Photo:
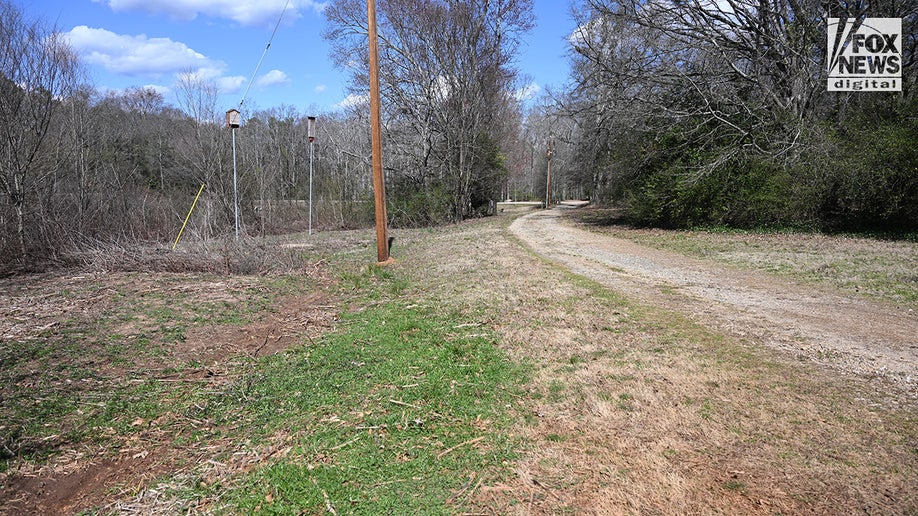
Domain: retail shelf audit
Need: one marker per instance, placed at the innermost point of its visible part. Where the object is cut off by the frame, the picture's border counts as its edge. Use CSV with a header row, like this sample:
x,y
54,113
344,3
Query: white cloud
x,y
135,55
528,91
214,76
320,88
202,74
582,33
353,100
442,88
230,84
272,78
244,12
142,56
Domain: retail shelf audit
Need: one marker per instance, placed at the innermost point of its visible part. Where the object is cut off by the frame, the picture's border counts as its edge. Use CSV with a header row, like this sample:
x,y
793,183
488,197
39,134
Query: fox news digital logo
x,y
865,55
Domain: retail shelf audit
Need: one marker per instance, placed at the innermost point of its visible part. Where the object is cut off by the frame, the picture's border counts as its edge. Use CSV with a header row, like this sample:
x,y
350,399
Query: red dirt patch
x,y
297,317
41,309
53,493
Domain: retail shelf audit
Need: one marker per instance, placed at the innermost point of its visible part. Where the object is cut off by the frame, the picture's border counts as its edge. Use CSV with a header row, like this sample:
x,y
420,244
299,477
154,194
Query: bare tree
x,y
700,109
446,80
204,150
37,68
746,72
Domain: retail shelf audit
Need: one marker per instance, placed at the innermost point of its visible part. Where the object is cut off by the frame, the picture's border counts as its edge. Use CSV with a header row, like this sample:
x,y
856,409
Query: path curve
x,y
850,334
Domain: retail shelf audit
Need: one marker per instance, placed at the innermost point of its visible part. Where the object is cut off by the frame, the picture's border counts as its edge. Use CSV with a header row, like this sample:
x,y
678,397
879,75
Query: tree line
x,y
694,112
80,167
681,112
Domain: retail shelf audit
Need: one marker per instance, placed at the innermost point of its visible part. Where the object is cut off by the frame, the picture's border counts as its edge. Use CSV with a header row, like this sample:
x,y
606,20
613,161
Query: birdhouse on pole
x,y
311,128
233,118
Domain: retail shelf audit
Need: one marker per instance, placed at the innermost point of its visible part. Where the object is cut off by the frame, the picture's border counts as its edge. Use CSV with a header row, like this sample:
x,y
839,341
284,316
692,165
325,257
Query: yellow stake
x,y
188,217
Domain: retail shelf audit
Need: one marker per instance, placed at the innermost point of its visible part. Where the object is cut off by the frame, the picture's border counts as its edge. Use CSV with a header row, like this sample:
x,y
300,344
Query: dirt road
x,y
852,335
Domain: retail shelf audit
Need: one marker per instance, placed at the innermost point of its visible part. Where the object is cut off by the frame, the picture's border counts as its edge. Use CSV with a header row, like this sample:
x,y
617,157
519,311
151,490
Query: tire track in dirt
x,y
852,335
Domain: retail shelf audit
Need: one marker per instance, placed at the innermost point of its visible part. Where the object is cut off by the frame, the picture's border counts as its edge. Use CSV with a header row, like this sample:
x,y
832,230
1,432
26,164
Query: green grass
x,y
68,411
392,413
625,402
734,485
380,411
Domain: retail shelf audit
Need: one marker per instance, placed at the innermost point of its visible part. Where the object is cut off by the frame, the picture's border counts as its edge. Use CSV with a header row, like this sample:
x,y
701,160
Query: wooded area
x,y
717,113
685,113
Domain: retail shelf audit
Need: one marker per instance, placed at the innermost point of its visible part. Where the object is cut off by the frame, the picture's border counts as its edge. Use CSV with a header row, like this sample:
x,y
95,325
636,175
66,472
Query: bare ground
x,y
120,474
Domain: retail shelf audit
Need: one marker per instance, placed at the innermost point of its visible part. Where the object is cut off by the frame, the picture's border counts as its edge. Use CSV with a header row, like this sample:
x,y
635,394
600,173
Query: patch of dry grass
x,y
96,364
633,409
881,269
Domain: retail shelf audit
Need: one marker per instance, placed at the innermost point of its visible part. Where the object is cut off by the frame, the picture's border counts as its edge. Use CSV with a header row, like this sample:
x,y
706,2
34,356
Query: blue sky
x,y
130,43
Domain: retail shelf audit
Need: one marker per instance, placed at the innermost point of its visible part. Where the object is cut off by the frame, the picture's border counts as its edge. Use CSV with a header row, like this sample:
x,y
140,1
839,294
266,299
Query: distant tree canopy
x,y
706,113
448,89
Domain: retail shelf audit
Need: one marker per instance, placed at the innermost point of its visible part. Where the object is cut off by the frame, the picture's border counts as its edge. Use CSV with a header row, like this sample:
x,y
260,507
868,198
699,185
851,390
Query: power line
x,y
255,73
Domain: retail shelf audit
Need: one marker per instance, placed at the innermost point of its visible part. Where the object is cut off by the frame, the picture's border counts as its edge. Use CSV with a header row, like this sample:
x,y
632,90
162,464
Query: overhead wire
x,y
263,54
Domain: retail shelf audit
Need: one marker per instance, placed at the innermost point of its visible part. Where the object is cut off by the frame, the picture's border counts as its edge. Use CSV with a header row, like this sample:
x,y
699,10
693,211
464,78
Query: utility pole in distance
x,y
379,184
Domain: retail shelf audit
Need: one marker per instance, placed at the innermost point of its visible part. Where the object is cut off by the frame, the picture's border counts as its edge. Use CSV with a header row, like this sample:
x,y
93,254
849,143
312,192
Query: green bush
x,y
413,204
859,174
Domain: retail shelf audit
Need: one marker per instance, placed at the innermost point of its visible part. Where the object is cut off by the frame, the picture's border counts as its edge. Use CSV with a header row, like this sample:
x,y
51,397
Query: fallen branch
x,y
352,441
471,441
547,490
467,325
464,488
402,403
263,344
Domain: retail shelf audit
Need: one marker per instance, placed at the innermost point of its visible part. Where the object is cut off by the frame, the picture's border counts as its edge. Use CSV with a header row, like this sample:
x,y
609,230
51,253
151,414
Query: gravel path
x,y
852,335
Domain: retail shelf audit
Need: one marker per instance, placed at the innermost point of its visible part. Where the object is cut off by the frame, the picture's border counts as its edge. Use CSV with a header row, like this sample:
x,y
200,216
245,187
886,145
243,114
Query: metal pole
x,y
310,188
235,190
549,154
379,185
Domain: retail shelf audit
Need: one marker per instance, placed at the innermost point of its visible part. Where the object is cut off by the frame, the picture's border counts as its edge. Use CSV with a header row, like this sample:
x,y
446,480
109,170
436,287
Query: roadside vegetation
x,y
687,117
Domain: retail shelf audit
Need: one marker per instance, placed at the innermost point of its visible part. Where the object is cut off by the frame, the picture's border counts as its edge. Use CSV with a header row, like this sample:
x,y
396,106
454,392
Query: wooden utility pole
x,y
379,183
